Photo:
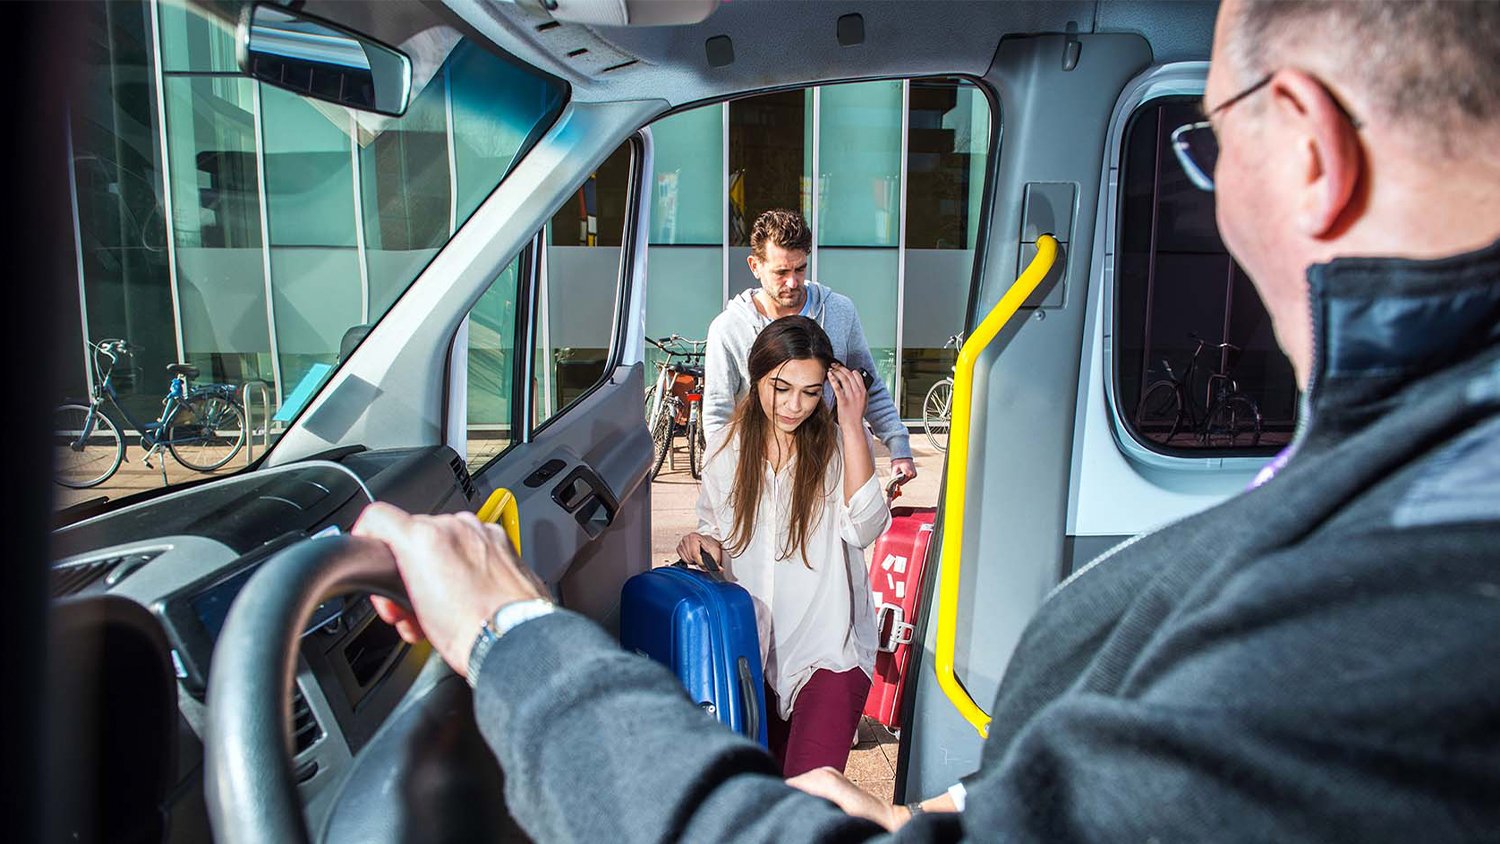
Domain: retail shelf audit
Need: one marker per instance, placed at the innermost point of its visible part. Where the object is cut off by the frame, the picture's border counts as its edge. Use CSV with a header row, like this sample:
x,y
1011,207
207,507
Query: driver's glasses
x,y
1196,145
1197,150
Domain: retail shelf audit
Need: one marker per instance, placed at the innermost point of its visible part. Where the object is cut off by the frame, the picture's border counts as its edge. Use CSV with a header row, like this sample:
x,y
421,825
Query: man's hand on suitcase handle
x,y
899,479
457,572
904,469
689,546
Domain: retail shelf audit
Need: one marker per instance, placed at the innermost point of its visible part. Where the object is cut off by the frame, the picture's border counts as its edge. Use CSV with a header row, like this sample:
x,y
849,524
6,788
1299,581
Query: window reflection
x,y
122,224
859,207
491,350
215,182
685,261
770,137
947,152
252,233
579,284
1175,283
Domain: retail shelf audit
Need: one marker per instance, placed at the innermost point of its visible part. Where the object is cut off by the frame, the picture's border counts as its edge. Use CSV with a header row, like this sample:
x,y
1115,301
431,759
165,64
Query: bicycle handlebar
x,y
696,346
113,347
1202,342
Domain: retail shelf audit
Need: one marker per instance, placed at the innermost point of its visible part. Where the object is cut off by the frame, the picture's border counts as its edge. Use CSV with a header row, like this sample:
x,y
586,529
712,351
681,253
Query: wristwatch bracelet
x,y
502,621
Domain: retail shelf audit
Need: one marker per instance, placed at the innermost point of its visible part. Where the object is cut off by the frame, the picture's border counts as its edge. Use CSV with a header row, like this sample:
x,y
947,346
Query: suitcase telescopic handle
x,y
711,566
709,562
749,699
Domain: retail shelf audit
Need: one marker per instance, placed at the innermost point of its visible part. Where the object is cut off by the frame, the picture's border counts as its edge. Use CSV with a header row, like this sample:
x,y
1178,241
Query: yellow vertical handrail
x,y
500,508
958,476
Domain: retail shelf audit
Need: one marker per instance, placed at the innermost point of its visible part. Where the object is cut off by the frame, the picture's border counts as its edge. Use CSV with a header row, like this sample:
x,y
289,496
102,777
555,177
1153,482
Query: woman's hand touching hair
x,y
850,396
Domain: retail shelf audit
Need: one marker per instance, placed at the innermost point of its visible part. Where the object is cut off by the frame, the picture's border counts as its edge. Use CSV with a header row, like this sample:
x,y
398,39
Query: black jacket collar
x,y
1382,323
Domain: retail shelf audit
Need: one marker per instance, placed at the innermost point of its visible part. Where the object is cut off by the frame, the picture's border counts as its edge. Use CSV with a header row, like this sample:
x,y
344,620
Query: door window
x,y
1197,367
579,282
576,274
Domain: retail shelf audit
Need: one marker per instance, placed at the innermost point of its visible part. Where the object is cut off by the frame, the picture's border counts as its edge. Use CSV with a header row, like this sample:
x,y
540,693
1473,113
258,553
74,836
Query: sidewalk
x,y
674,494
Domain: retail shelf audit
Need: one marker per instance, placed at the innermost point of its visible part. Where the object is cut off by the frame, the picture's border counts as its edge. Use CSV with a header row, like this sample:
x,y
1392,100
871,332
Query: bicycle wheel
x,y
661,439
211,432
697,445
1159,415
1233,423
937,413
86,446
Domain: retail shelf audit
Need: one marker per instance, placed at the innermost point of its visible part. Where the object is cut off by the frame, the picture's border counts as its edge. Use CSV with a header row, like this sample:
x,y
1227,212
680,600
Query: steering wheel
x,y
251,789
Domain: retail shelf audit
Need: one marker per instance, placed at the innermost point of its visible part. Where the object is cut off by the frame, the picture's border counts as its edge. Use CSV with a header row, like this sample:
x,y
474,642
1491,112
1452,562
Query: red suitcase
x,y
896,581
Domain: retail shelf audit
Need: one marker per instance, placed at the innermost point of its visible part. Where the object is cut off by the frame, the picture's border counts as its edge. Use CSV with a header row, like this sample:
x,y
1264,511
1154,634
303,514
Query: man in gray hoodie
x,y
779,243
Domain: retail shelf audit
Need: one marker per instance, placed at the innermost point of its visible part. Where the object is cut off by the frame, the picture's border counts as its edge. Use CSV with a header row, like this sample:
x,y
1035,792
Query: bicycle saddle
x,y
186,370
695,371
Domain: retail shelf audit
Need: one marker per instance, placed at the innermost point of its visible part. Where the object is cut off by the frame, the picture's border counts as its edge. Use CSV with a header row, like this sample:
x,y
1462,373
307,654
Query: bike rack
x,y
265,402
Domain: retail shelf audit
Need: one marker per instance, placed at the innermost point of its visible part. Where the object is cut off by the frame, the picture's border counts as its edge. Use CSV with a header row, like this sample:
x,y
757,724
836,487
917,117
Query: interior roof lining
x,y
933,37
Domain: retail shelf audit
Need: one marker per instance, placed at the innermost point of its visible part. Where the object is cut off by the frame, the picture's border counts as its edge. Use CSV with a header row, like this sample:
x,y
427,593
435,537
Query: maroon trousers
x,y
821,726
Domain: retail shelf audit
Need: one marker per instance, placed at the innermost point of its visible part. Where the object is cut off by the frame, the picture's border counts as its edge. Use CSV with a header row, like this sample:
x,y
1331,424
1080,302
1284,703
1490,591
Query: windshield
x,y
249,233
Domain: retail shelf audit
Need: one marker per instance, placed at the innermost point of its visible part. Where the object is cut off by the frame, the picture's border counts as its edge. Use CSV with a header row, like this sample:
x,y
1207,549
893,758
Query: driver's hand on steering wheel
x,y
457,572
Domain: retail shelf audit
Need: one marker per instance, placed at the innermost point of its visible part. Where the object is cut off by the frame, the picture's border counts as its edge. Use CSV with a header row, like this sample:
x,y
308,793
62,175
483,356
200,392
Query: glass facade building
x,y
249,231
252,232
890,175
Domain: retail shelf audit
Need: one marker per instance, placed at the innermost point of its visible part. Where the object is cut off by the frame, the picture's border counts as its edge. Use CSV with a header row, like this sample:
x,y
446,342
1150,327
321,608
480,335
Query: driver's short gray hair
x,y
1431,66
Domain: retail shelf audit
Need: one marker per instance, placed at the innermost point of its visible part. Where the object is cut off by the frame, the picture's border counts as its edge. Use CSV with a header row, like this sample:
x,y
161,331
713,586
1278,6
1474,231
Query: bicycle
x,y
1231,418
203,427
674,403
937,406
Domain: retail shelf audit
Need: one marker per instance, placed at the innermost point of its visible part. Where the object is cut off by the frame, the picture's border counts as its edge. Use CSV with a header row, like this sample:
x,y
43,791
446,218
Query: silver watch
x,y
502,621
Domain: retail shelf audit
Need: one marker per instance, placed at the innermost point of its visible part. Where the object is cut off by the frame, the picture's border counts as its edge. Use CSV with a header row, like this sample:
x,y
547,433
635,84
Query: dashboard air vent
x,y
305,728
73,578
461,472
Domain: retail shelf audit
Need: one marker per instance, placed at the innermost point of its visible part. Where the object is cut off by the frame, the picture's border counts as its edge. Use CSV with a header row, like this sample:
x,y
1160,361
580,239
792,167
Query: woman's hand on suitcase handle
x,y
690,546
457,572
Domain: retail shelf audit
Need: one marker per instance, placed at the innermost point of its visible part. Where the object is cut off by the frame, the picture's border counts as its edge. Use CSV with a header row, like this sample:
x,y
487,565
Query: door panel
x,y
575,446
1026,388
585,526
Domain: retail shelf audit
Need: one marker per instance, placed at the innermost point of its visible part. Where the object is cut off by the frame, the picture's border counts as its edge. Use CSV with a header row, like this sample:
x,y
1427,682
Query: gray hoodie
x,y
726,377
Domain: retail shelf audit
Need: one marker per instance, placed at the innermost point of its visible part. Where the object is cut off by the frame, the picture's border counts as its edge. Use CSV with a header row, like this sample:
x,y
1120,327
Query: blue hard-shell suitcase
x,y
702,628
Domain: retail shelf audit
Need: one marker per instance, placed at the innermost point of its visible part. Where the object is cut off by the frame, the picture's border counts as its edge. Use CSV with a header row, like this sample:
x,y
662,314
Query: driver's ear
x,y
1328,158
753,263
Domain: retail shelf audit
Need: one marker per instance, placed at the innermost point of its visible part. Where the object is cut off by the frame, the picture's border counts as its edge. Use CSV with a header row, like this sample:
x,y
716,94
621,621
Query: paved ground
x,y
872,763
133,477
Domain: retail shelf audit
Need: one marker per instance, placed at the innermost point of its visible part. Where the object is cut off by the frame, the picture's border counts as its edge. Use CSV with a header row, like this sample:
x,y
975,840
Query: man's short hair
x,y
1432,66
783,227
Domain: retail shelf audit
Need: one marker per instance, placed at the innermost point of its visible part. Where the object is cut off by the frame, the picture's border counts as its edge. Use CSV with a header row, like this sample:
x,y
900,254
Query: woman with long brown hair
x,y
788,503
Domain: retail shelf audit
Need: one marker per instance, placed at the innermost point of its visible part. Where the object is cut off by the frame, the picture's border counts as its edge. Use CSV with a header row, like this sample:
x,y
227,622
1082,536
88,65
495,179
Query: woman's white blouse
x,y
808,619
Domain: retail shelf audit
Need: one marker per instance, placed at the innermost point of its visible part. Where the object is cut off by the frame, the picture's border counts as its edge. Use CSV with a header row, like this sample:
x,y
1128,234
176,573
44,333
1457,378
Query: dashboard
x,y
184,557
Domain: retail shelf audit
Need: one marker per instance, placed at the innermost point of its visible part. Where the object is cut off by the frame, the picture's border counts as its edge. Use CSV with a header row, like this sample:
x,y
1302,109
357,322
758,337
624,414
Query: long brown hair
x,y
815,440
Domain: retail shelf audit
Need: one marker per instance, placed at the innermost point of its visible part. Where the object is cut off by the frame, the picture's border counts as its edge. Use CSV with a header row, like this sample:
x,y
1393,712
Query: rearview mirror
x,y
318,59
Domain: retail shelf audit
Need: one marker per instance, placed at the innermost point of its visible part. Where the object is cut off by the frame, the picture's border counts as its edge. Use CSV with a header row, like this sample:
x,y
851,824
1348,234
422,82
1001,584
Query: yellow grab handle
x,y
958,476
501,507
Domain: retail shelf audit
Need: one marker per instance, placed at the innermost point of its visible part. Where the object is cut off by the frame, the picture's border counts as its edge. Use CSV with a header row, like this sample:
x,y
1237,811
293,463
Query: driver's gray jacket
x,y
1315,659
